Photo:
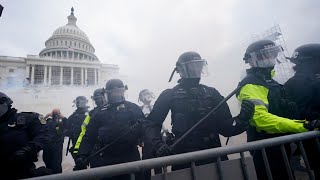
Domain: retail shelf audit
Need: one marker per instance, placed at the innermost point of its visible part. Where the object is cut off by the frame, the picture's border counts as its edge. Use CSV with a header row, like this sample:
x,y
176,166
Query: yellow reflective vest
x,y
262,119
83,132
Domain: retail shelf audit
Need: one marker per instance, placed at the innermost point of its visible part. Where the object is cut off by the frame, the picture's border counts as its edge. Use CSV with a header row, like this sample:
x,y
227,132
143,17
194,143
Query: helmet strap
x,y
174,70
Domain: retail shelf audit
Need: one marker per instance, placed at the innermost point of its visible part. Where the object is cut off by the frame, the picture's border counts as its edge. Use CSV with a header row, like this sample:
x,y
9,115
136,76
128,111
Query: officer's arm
x,y
83,132
157,116
262,119
139,119
89,137
39,132
67,126
223,118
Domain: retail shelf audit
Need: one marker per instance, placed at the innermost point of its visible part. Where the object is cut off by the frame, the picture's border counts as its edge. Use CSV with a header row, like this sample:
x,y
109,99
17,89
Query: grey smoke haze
x,y
146,37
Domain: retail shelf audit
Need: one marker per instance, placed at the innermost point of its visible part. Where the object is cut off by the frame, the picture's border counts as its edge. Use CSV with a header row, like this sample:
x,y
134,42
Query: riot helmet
x,y
5,103
81,102
190,65
264,54
99,97
115,90
307,58
146,96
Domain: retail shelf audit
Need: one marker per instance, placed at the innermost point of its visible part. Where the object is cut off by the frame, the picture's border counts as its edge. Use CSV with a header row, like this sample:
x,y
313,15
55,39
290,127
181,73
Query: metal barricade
x,y
244,162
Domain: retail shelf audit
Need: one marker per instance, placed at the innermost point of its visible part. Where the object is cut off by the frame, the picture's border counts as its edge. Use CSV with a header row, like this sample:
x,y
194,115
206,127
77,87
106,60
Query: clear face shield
x,y
3,108
267,57
193,69
99,100
81,103
115,95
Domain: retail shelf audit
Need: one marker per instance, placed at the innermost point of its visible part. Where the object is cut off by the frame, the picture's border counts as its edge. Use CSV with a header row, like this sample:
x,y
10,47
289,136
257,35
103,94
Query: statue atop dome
x,y
72,19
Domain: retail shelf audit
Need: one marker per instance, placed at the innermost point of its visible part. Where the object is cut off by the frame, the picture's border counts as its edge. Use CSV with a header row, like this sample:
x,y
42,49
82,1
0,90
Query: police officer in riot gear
x,y
107,124
304,89
75,121
275,114
100,99
52,153
304,86
189,102
22,136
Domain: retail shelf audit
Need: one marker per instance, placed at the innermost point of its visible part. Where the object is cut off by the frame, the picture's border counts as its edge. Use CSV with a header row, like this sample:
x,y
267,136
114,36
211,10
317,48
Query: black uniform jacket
x,y
304,89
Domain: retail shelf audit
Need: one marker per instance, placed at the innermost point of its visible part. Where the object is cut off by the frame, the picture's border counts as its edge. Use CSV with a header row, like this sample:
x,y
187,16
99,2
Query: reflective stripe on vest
x,y
259,102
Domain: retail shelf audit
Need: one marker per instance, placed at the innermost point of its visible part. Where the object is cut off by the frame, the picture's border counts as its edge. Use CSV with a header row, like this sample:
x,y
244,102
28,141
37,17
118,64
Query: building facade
x,y
67,59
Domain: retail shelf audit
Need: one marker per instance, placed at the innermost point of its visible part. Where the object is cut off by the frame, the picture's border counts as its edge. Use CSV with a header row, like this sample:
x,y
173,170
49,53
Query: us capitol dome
x,y
67,59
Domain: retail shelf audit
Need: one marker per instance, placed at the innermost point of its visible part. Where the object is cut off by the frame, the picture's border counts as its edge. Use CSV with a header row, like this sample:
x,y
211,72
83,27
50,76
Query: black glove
x,y
312,125
80,163
161,149
25,154
246,112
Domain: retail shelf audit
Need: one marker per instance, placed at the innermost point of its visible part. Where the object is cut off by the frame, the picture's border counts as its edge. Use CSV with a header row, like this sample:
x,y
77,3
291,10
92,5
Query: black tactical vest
x,y
188,106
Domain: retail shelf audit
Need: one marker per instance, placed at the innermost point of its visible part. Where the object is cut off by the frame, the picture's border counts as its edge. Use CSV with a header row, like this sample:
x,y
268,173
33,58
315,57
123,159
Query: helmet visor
x,y
193,69
267,57
99,99
116,95
81,103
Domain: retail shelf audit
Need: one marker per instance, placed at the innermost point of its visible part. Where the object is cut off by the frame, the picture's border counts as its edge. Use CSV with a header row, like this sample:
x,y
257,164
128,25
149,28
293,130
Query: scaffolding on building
x,y
284,71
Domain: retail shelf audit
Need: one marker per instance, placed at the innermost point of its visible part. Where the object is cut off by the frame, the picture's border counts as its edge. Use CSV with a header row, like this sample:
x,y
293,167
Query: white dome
x,y
70,30
69,38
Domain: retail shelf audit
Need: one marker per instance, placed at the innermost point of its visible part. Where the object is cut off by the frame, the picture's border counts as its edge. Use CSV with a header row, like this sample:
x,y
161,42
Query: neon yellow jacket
x,y
83,132
262,119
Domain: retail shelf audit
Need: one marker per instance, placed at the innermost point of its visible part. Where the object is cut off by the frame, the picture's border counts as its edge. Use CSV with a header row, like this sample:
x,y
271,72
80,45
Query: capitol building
x,y
67,59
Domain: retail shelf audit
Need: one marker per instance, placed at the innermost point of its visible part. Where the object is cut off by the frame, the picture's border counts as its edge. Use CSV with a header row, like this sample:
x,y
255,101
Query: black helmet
x,y
190,65
98,97
262,54
187,57
81,102
98,92
5,99
5,103
306,52
115,83
115,90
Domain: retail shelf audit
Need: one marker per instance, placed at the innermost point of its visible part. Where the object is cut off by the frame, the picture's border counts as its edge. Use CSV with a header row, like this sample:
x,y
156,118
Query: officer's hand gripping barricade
x,y
130,129
213,111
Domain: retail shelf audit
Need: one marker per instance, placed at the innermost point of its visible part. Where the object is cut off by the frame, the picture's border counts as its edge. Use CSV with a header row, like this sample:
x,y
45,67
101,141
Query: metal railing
x,y
137,166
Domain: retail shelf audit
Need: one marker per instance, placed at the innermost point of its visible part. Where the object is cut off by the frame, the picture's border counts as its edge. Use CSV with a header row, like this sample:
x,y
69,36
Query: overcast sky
x,y
145,37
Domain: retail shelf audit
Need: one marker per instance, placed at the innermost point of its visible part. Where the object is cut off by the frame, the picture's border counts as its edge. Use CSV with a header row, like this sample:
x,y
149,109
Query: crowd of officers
x,y
111,132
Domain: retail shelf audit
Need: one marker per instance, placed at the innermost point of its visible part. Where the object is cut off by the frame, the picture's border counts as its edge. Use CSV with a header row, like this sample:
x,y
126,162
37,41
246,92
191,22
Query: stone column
x,y
61,75
81,76
61,54
45,75
99,77
32,74
28,72
71,75
49,80
95,76
85,76
72,55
